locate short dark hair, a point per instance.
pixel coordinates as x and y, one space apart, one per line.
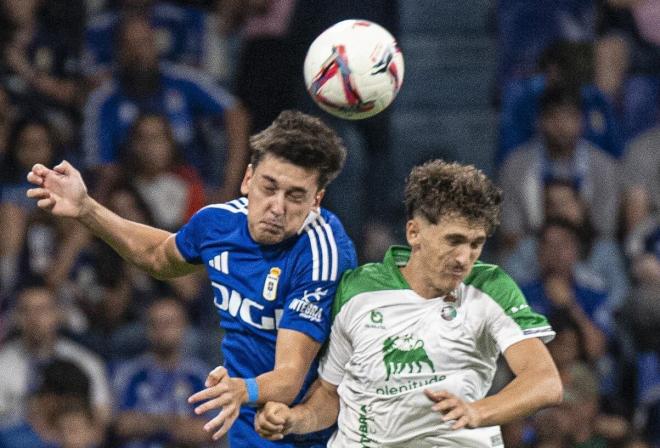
302 140
437 188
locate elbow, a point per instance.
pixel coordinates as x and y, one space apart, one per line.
554 391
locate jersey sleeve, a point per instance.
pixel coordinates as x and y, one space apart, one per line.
308 306
339 350
190 237
510 319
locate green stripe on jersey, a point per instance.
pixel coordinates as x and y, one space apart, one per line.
494 282
384 276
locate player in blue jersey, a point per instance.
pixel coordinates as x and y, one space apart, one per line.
274 258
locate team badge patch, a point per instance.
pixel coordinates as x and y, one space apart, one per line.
270 285
448 312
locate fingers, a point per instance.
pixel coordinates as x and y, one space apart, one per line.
216 376
208 393
461 423
216 403
46 203
222 422
437 395
446 405
38 193
34 178
268 427
63 167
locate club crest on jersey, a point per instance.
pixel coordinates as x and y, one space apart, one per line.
448 312
270 285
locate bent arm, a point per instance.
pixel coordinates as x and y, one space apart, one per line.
294 353
318 412
536 385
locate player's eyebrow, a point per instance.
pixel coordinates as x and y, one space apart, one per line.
294 189
461 238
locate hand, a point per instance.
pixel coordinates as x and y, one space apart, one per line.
273 421
453 408
61 190
222 392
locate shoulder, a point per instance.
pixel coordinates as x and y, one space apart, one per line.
371 277
224 214
495 283
323 236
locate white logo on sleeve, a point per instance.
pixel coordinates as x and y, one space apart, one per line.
220 262
306 307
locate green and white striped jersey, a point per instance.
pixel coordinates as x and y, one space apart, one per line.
388 344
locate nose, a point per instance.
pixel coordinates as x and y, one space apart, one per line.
277 204
463 254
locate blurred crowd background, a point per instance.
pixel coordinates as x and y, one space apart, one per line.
154 100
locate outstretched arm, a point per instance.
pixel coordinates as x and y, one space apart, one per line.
62 192
537 384
319 411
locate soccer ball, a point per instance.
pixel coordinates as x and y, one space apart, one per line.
354 69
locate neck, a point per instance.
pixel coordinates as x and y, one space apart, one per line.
420 283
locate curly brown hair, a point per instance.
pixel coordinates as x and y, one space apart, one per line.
437 189
304 141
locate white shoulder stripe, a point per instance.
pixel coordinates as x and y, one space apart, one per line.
323 243
333 249
315 254
228 207
325 261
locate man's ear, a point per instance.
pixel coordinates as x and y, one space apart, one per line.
318 198
413 228
247 178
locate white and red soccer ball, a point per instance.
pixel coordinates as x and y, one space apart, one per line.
354 69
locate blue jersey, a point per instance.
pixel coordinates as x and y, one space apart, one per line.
261 288
181 37
142 385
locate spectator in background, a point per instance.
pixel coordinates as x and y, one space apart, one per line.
601 260
567 64
38 319
186 35
186 98
32 140
527 27
60 386
628 60
171 190
152 390
40 57
557 153
557 290
641 213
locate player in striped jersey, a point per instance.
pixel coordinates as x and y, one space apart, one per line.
415 339
274 258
